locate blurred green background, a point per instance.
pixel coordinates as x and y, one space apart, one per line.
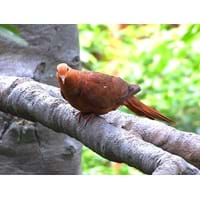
163 59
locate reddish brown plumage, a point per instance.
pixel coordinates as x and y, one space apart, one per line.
93 92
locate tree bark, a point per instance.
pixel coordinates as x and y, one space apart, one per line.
38 102
28 147
184 144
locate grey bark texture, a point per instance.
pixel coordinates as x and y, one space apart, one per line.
184 144
121 140
29 147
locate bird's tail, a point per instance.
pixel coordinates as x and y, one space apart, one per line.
141 109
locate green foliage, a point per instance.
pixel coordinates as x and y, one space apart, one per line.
163 59
11 33
94 164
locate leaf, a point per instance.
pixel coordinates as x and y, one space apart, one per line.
12 34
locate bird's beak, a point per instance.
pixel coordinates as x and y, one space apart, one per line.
62 79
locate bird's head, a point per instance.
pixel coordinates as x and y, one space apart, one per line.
62 70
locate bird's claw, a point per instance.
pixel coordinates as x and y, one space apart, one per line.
87 117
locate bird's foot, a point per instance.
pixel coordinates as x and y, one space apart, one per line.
86 116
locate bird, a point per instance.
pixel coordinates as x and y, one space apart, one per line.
97 93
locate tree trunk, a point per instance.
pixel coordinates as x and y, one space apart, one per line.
29 147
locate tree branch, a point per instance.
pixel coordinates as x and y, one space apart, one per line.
34 101
184 144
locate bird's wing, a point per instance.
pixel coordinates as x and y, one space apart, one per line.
103 90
